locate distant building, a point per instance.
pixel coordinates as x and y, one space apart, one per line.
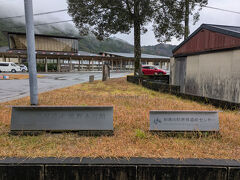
44 44
60 53
164 63
84 53
207 63
18 41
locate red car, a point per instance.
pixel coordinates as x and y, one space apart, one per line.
151 70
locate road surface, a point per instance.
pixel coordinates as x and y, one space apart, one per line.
14 89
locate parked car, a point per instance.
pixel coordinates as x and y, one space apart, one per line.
23 68
9 67
152 70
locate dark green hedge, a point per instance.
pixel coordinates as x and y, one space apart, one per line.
52 67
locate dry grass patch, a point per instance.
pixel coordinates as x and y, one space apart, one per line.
131 123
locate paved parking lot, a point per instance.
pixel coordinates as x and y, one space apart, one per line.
14 89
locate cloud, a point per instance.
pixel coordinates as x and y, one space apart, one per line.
207 16
210 16
17 9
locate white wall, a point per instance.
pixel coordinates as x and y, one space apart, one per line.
214 75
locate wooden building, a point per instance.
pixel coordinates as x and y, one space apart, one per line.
63 52
164 63
18 41
207 63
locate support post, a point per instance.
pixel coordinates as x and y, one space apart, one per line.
79 67
92 65
82 64
46 65
121 65
31 52
58 65
112 64
19 60
99 64
3 58
70 64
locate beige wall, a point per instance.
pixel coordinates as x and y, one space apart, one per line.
18 41
15 60
214 75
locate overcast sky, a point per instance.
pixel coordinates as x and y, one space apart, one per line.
210 16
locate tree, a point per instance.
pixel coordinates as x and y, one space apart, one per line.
106 17
189 6
177 13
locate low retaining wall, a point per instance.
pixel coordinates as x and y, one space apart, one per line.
175 90
161 83
158 78
215 102
158 86
120 169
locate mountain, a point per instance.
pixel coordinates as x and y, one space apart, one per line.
159 49
87 43
91 44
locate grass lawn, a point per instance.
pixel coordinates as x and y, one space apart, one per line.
20 76
131 123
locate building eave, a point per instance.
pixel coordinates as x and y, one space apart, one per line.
210 27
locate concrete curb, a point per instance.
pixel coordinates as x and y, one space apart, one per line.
118 168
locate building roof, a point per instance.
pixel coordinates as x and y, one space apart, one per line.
131 55
226 28
84 53
233 31
44 35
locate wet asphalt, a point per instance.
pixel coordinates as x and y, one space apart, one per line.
15 89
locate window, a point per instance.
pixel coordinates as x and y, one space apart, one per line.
4 64
145 67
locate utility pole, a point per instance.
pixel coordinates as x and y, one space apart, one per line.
31 52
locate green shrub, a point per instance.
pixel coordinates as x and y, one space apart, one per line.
140 134
52 67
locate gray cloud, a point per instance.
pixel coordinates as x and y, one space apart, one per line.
210 16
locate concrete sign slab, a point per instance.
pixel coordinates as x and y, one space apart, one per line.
59 118
184 121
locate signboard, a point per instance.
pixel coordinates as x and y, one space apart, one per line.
184 121
62 118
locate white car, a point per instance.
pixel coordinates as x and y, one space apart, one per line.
9 67
23 68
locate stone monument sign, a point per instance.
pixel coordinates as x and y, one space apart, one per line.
184 121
